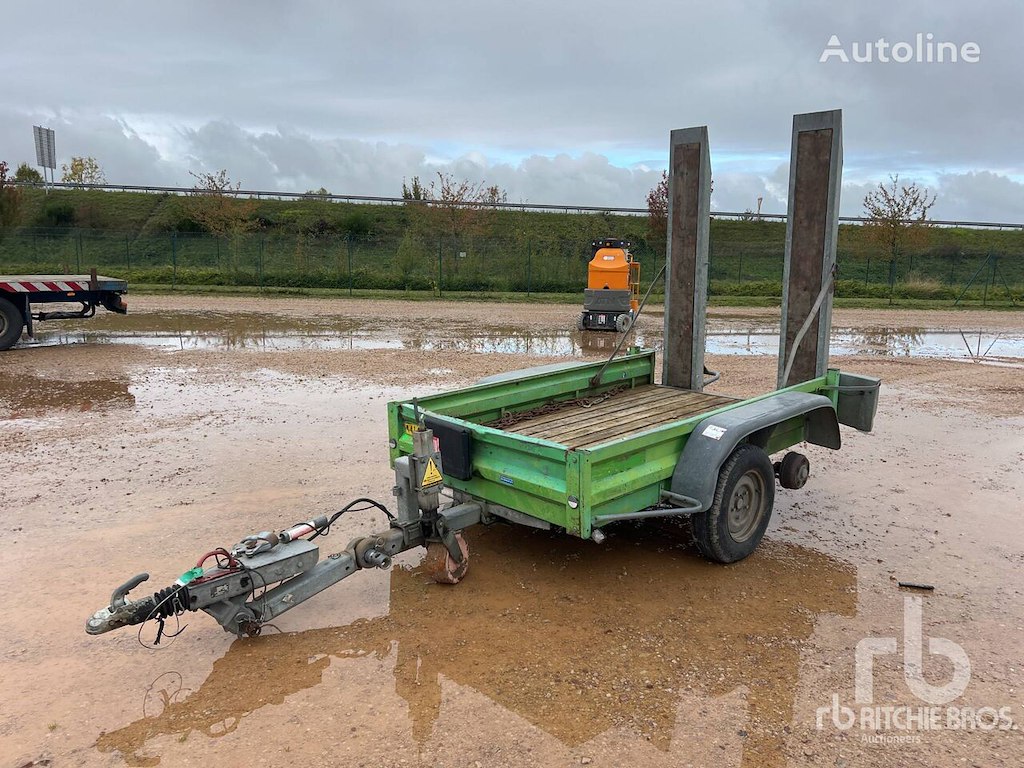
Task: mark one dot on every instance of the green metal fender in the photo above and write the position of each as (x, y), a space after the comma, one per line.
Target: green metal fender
(716, 437)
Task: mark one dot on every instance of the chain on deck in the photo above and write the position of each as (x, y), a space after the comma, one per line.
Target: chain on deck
(511, 419)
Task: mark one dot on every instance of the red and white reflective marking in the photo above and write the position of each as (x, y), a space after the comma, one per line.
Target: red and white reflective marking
(25, 286)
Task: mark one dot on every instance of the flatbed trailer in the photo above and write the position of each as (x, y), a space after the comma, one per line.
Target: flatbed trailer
(19, 292)
(551, 450)
(528, 449)
(579, 447)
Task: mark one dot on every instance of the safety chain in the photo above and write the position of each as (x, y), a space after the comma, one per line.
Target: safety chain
(511, 419)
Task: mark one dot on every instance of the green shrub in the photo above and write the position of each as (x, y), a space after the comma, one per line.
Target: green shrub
(56, 214)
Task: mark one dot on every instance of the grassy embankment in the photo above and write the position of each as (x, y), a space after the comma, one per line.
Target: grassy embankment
(323, 247)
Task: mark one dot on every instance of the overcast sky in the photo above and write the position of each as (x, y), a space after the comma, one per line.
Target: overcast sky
(560, 101)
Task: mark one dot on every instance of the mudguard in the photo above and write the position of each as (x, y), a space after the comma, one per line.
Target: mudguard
(715, 438)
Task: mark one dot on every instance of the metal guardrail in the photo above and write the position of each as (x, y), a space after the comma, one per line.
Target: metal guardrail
(376, 200)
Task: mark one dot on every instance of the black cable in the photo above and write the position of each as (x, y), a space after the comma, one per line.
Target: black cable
(351, 507)
(321, 531)
(263, 594)
(168, 602)
(173, 601)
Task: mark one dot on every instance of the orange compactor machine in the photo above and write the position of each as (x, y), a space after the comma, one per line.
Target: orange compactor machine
(611, 298)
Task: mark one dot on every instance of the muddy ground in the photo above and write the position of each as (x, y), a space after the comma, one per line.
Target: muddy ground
(137, 443)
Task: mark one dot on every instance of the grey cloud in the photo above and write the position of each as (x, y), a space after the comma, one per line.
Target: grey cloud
(355, 96)
(979, 196)
(737, 192)
(288, 160)
(123, 154)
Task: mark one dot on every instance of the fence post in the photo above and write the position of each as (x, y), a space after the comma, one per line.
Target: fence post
(78, 252)
(348, 247)
(128, 253)
(711, 257)
(991, 277)
(892, 278)
(867, 271)
(440, 273)
(174, 260)
(529, 266)
(260, 263)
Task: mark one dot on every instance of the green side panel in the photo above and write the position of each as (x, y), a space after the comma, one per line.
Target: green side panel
(523, 473)
(516, 475)
(628, 476)
(786, 434)
(576, 488)
(489, 402)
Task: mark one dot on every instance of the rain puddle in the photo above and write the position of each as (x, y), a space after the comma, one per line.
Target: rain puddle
(559, 639)
(724, 337)
(26, 396)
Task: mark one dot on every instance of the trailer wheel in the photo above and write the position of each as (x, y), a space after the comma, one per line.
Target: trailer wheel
(734, 525)
(11, 323)
(793, 470)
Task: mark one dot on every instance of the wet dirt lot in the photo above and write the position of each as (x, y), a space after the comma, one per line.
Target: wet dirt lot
(138, 443)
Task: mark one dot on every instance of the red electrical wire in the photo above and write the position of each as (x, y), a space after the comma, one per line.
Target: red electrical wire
(220, 551)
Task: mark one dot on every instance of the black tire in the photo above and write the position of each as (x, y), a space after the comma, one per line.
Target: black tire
(794, 470)
(742, 508)
(11, 324)
(623, 323)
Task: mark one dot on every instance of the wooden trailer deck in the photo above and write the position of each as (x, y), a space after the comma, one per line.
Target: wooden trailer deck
(620, 415)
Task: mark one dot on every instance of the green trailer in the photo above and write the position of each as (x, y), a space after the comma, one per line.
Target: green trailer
(546, 448)
(575, 447)
(578, 446)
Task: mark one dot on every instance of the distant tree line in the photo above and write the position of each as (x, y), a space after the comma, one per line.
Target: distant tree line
(897, 214)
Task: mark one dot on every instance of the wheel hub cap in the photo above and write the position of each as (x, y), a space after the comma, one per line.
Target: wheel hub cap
(746, 506)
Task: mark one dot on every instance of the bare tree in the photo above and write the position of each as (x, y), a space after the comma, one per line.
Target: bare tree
(212, 205)
(453, 207)
(899, 216)
(657, 209)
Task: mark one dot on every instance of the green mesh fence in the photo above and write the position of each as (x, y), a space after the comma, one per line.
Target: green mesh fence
(738, 266)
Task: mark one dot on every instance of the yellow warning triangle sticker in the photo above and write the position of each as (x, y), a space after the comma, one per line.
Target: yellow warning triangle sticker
(430, 475)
